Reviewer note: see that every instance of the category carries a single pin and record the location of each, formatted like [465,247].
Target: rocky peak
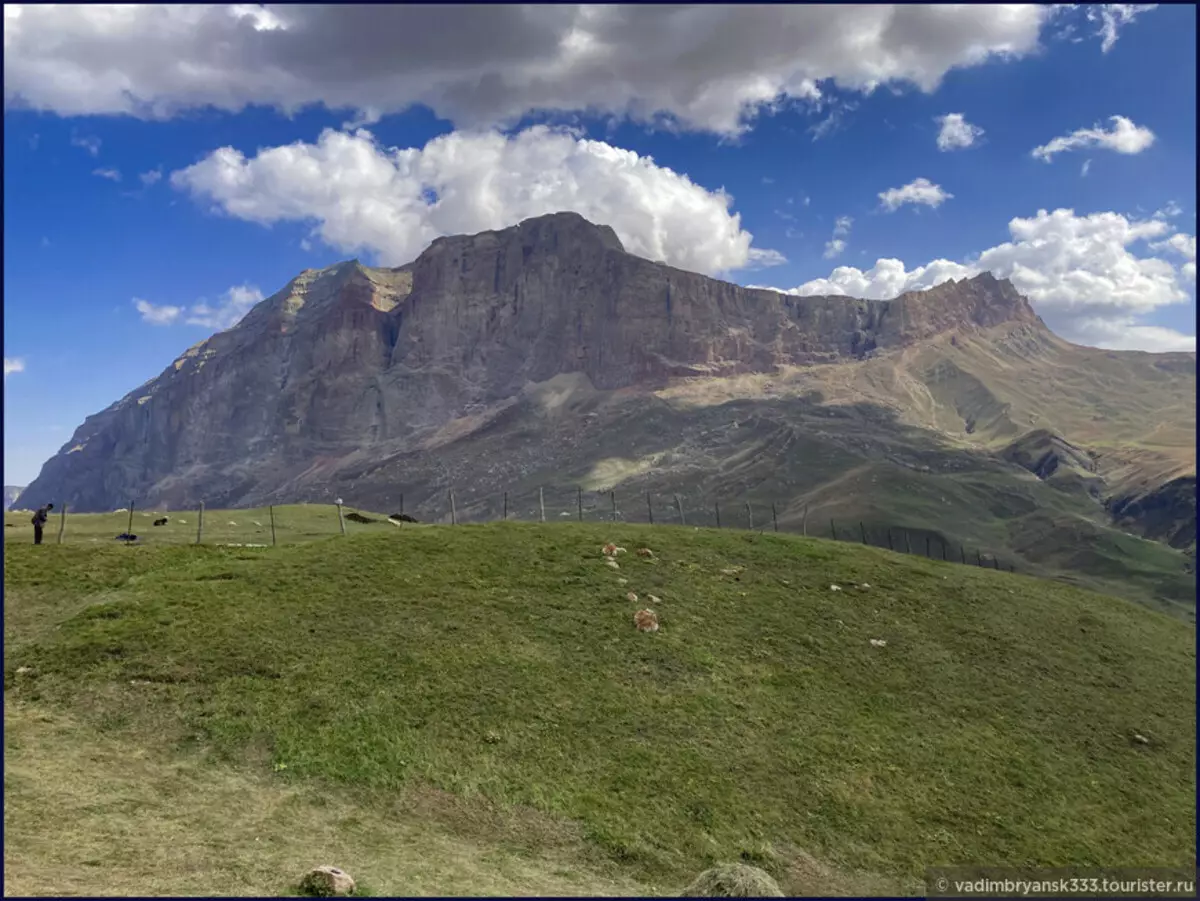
[351,357]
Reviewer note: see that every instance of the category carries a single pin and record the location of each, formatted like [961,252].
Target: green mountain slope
[1004,720]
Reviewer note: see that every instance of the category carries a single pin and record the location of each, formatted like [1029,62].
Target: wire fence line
[268,526]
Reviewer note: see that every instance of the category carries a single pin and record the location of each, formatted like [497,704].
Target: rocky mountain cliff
[369,382]
[351,357]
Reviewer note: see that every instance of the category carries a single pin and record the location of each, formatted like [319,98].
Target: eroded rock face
[366,362]
[1167,514]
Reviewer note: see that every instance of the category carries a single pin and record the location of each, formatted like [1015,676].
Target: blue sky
[117,190]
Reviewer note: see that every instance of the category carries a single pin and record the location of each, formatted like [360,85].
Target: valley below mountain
[544,356]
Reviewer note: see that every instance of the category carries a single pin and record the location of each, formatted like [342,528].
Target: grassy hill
[471,710]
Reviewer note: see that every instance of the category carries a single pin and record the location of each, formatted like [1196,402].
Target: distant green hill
[1004,719]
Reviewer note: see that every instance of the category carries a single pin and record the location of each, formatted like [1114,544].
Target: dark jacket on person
[40,517]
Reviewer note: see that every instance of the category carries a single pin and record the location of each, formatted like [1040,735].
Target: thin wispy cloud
[836,245]
[1123,137]
[87,142]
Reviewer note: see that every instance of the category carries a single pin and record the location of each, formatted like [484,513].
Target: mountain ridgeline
[545,352]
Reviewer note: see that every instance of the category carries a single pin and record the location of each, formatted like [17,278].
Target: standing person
[39,522]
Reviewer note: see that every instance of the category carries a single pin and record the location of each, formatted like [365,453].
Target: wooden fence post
[943,541]
[453,511]
[649,508]
[774,518]
[833,529]
[129,531]
[804,522]
[579,501]
[679,507]
[271,510]
[62,522]
[506,505]
[401,503]
[612,497]
[928,539]
[907,546]
[978,559]
[891,547]
[862,531]
[717,507]
[341,519]
[200,524]
[750,515]
[542,502]
[962,553]
[996,561]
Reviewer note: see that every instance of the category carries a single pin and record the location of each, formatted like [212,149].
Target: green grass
[498,664]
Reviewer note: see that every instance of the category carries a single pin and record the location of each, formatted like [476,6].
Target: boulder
[326,881]
[733,881]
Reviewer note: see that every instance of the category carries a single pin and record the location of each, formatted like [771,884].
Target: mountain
[11,493]
[544,354]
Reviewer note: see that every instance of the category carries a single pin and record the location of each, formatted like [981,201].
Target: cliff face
[354,359]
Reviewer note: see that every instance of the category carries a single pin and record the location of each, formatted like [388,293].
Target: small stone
[24,670]
[835,587]
[653,600]
[622,581]
[1140,739]
[878,643]
[612,564]
[325,882]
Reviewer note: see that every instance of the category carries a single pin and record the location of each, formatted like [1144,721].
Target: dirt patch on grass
[88,814]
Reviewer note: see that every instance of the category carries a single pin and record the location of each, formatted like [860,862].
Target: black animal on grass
[402,517]
[161,522]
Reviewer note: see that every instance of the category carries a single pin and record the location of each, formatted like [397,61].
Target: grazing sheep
[646,621]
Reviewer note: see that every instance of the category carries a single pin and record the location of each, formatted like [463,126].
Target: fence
[268,526]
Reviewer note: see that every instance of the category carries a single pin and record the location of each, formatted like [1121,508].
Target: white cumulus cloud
[705,67]
[110,174]
[921,192]
[363,197]
[225,313]
[13,364]
[157,314]
[956,132]
[1085,275]
[1123,137]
